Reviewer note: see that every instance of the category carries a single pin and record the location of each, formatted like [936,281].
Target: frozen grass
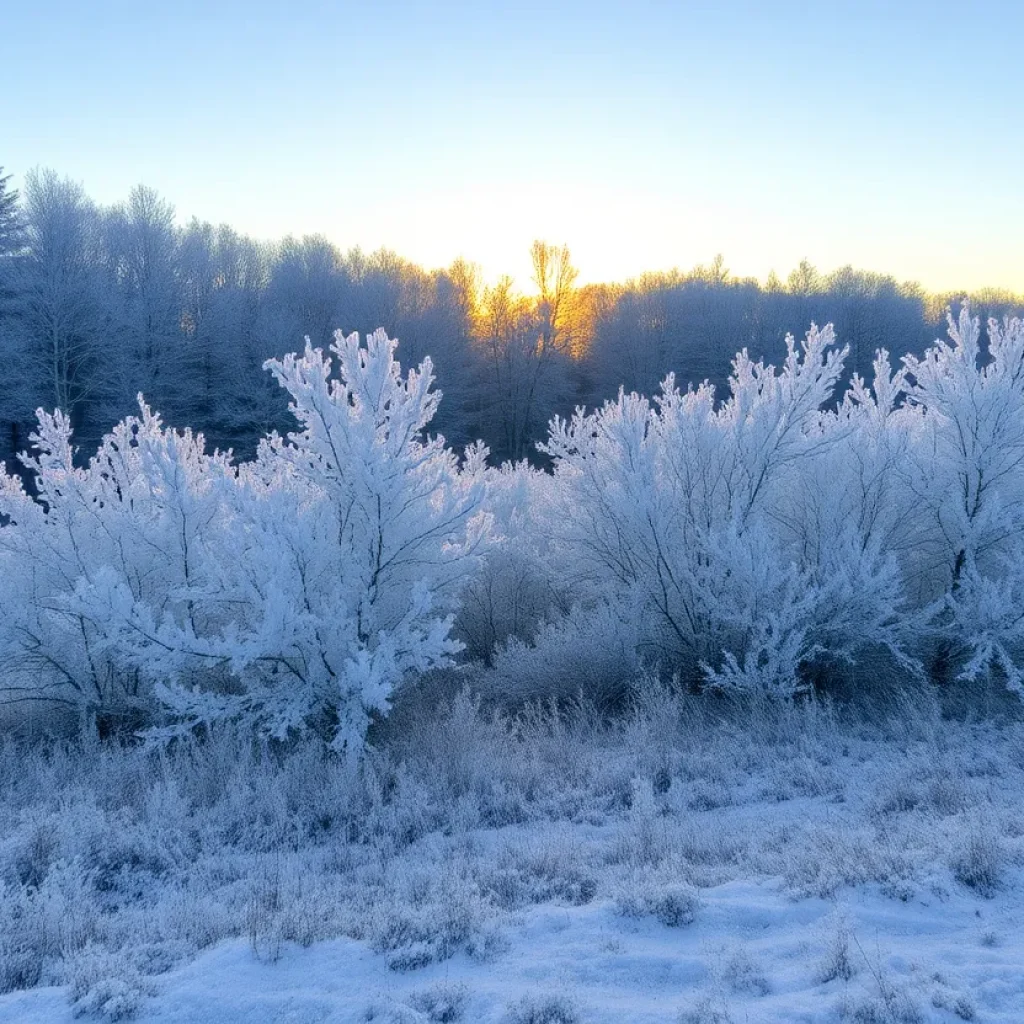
[119,864]
[550,1009]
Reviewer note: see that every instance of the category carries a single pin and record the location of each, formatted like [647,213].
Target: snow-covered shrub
[675,904]
[391,1012]
[592,652]
[442,1003]
[106,986]
[424,919]
[848,513]
[107,560]
[828,859]
[968,472]
[783,540]
[508,599]
[706,1011]
[21,939]
[889,1002]
[980,860]
[679,507]
[264,913]
[369,524]
[517,588]
[466,759]
[641,840]
[946,997]
[837,961]
[543,869]
[293,591]
[742,973]
[546,1009]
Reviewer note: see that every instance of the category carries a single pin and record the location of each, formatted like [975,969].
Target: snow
[792,866]
[616,969]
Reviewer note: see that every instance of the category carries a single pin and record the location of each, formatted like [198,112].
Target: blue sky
[645,135]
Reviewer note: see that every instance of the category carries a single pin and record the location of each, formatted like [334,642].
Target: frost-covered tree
[112,566]
[369,526]
[293,592]
[223,285]
[675,507]
[146,350]
[780,539]
[10,244]
[969,475]
[59,316]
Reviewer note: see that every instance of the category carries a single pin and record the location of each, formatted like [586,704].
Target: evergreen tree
[10,218]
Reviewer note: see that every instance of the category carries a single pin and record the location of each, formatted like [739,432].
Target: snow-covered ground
[752,954]
[672,868]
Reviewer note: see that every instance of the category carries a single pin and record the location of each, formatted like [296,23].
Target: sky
[645,135]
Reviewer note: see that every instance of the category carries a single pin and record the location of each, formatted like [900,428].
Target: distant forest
[99,303]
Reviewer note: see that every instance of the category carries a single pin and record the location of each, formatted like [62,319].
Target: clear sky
[646,135]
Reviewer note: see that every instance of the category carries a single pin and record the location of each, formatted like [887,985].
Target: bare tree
[59,315]
[145,303]
[11,239]
[555,278]
[527,349]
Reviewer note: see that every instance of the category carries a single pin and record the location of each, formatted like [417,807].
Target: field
[692,861]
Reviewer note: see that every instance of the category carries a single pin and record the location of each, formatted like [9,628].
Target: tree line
[98,304]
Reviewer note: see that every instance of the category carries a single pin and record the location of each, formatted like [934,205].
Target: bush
[293,592]
[980,860]
[105,985]
[550,1009]
[442,1004]
[589,654]
[674,904]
